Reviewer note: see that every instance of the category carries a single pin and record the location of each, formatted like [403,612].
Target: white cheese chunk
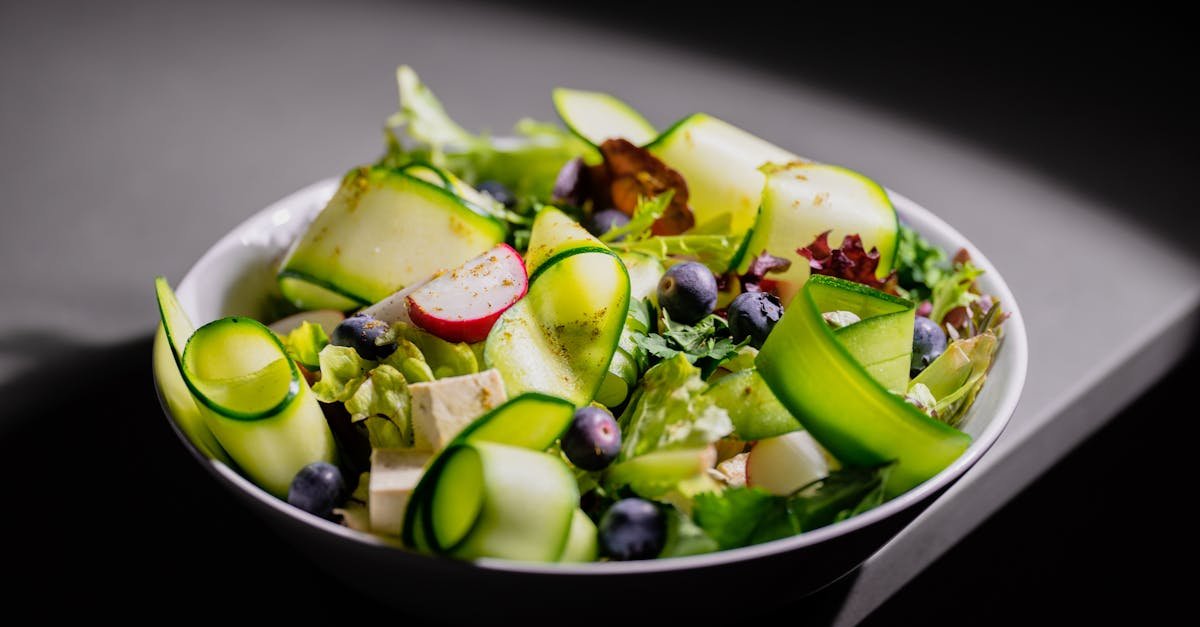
[394,475]
[440,409]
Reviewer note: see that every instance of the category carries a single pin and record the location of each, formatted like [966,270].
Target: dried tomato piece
[631,172]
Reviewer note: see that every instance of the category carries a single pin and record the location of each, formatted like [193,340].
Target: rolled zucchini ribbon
[255,401]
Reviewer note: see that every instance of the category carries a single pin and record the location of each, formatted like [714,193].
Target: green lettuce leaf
[342,372]
[919,264]
[304,344]
[956,376]
[712,250]
[527,164]
[955,289]
[444,359]
[671,411]
[744,516]
[383,392]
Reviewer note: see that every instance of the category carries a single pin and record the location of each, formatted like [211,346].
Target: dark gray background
[133,134]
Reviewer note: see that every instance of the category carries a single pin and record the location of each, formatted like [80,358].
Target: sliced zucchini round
[531,420]
[582,540]
[173,332]
[560,338]
[803,200]
[595,116]
[256,403]
[383,229]
[853,415]
[720,163]
[495,500]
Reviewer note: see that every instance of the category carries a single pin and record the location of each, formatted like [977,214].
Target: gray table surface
[132,135]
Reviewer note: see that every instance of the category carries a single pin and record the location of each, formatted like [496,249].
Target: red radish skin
[462,305]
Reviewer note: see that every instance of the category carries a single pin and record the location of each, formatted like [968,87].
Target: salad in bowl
[598,342]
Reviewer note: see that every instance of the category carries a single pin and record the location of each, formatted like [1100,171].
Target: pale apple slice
[462,305]
[784,464]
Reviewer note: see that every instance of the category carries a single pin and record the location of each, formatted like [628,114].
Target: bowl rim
[1014,348]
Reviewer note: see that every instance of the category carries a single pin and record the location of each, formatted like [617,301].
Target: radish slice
[462,305]
[786,463]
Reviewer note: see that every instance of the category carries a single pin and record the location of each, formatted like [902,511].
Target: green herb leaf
[919,264]
[705,344]
[743,516]
[647,211]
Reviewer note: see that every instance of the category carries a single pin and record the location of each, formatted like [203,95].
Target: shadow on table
[108,505]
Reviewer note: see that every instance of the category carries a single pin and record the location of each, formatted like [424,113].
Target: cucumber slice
[720,163]
[553,234]
[803,200]
[561,337]
[654,474]
[881,341]
[857,419]
[382,230]
[173,332]
[494,500]
[255,402]
[531,420]
[752,406]
[582,540]
[594,117]
[447,180]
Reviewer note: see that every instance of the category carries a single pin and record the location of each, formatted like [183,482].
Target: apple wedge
[784,464]
[462,305]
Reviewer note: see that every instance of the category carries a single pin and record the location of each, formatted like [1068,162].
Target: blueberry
[317,489]
[571,184]
[688,292]
[753,315]
[499,192]
[632,529]
[929,341]
[602,222]
[362,332]
[593,439]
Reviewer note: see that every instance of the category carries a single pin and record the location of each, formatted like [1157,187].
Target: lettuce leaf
[712,250]
[422,131]
[955,289]
[304,344]
[671,412]
[955,377]
[342,371]
[744,516]
[444,359]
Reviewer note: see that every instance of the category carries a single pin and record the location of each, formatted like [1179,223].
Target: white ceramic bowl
[236,274]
